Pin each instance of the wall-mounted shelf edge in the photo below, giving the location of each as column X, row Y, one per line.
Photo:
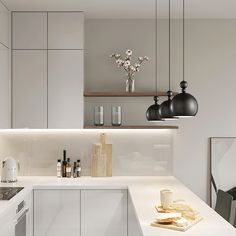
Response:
column 131, row 127
column 125, row 94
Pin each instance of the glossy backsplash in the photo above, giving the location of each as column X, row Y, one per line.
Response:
column 135, row 152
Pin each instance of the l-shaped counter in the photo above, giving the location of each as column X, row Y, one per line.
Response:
column 144, row 195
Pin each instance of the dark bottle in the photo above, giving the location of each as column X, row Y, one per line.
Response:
column 75, row 170
column 78, row 169
column 68, row 168
column 64, row 163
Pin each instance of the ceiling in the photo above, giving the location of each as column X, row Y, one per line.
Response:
column 131, row 8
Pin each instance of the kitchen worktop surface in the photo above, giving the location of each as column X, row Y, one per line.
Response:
column 144, row 192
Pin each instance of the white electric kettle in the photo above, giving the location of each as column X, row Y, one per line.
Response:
column 10, row 169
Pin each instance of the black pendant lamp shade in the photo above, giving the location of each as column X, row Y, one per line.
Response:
column 165, row 108
column 153, row 112
column 184, row 104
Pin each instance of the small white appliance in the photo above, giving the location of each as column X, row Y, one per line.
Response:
column 9, row 170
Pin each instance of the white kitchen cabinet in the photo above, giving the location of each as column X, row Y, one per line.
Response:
column 4, row 69
column 15, row 221
column 7, row 229
column 4, row 25
column 29, row 30
column 65, row 89
column 56, row 212
column 29, row 86
column 47, row 85
column 65, row 30
column 104, row 212
column 134, row 228
column 4, row 88
column 30, row 215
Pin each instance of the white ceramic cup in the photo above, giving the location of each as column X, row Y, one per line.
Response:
column 166, row 198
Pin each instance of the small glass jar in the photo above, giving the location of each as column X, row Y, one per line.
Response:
column 98, row 116
column 116, row 115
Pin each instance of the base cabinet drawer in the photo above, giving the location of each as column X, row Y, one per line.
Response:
column 104, row 212
column 56, row 212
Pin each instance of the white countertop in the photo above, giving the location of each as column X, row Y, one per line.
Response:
column 144, row 192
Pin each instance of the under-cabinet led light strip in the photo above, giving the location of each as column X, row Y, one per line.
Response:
column 85, row 131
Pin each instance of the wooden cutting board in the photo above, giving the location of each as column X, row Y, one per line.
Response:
column 102, row 158
column 108, row 148
column 191, row 223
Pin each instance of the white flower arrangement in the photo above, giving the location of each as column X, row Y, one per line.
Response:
column 126, row 63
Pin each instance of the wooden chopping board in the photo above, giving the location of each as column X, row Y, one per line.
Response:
column 102, row 158
column 190, row 224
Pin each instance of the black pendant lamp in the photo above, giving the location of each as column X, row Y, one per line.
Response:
column 184, row 104
column 165, row 109
column 153, row 112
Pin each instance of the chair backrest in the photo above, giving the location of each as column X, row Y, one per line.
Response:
column 235, row 220
column 223, row 204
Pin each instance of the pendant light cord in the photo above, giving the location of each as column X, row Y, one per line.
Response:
column 183, row 39
column 169, row 46
column 156, row 45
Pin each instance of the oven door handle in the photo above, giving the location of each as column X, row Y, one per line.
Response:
column 16, row 221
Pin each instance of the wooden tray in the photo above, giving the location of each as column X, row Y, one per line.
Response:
column 178, row 228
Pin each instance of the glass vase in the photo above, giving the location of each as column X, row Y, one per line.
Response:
column 98, row 116
column 129, row 87
column 116, row 116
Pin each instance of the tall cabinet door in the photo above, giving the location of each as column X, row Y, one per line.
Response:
column 65, row 30
column 56, row 212
column 65, row 89
column 4, row 69
column 29, row 70
column 4, row 25
column 4, row 88
column 29, row 30
column 29, row 88
column 103, row 212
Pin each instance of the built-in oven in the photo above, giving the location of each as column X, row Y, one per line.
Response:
column 21, row 219
column 18, row 218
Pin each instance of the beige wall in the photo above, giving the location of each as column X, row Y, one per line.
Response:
column 210, row 71
column 102, row 37
column 211, row 74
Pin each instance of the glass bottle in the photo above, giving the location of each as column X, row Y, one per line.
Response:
column 59, row 169
column 78, row 171
column 64, row 163
column 75, row 170
column 68, row 168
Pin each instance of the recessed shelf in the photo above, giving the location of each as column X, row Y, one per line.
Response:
column 131, row 127
column 125, row 94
